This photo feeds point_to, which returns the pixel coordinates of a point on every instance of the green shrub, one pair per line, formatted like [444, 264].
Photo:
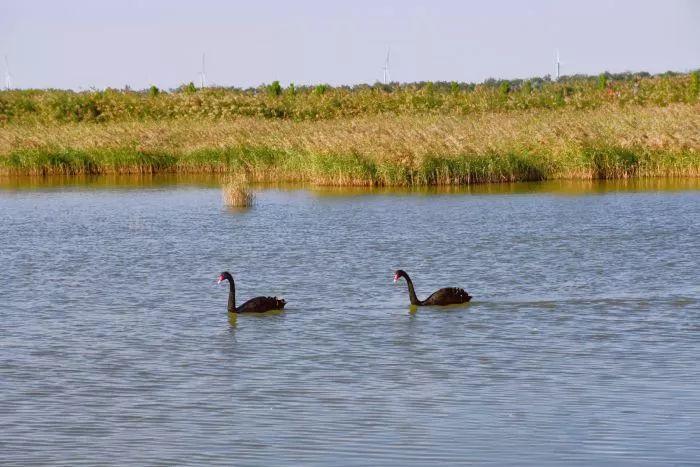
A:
[504, 88]
[695, 84]
[274, 89]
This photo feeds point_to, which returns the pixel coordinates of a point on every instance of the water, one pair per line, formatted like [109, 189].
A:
[580, 345]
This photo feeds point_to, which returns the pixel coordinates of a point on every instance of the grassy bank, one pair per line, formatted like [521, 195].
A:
[420, 134]
[350, 170]
[376, 150]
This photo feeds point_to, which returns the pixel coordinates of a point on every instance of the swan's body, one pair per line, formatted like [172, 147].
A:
[254, 305]
[260, 305]
[446, 296]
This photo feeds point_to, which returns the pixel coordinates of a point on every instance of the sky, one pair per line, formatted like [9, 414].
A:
[81, 44]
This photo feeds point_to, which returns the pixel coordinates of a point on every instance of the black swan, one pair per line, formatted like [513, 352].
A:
[254, 305]
[446, 296]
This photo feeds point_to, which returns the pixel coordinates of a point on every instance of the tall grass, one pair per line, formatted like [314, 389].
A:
[417, 134]
[404, 150]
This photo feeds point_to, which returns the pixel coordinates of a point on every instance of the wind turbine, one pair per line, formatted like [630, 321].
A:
[203, 75]
[387, 78]
[8, 76]
[556, 65]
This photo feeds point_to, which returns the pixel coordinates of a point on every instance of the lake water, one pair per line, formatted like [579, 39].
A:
[581, 344]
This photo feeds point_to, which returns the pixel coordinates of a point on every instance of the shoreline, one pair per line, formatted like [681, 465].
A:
[215, 180]
[270, 166]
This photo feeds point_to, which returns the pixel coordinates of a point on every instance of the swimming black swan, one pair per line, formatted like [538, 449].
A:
[254, 305]
[446, 296]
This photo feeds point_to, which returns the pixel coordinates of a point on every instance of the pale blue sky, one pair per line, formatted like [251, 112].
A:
[80, 43]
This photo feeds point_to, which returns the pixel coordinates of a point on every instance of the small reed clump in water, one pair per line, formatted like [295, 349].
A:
[236, 192]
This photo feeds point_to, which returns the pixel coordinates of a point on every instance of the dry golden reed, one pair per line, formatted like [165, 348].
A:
[606, 142]
[236, 191]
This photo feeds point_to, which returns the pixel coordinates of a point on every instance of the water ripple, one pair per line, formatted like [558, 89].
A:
[580, 346]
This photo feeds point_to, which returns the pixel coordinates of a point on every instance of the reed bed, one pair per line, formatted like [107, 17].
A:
[403, 148]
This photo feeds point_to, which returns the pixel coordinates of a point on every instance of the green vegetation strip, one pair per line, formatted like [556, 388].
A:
[303, 103]
[261, 164]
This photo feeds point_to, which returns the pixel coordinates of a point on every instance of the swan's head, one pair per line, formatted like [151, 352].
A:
[398, 275]
[224, 276]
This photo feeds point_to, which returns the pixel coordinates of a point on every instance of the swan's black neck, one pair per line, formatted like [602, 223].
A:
[231, 295]
[411, 291]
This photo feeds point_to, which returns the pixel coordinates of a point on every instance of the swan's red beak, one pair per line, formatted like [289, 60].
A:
[396, 278]
[220, 279]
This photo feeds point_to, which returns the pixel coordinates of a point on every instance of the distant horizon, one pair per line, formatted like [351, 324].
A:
[81, 45]
[352, 85]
